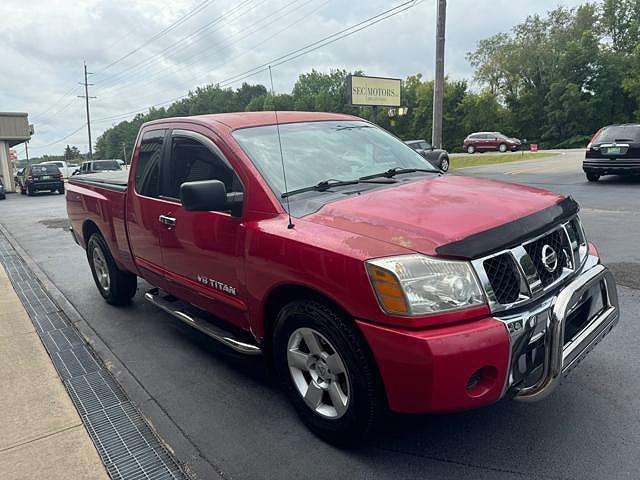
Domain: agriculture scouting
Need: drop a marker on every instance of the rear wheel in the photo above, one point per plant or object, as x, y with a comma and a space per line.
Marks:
444, 164
593, 177
471, 149
30, 191
115, 286
327, 371
503, 148
61, 190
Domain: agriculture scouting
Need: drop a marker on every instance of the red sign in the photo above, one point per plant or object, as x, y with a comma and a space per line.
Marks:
534, 147
13, 155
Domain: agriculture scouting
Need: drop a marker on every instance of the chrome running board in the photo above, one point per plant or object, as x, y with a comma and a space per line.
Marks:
179, 310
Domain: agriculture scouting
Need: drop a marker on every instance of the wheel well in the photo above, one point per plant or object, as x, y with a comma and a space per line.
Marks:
88, 229
284, 294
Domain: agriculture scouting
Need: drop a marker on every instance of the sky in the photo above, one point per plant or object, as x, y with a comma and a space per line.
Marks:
146, 52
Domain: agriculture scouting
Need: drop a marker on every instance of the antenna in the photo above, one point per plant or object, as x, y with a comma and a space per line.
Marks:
284, 173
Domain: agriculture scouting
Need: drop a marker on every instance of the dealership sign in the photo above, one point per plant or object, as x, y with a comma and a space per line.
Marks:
373, 91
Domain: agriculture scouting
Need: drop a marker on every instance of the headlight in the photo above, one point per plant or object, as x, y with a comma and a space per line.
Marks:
421, 285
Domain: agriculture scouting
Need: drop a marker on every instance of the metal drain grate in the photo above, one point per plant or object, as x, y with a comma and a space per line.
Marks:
127, 446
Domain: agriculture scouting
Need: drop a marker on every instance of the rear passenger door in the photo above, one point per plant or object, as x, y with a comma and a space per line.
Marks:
144, 208
203, 251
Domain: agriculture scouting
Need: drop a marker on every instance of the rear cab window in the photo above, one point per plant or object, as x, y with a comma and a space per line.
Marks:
147, 175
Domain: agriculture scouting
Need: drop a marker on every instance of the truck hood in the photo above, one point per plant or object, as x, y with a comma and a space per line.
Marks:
424, 215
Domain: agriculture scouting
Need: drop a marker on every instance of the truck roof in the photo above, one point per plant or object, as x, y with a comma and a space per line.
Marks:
255, 119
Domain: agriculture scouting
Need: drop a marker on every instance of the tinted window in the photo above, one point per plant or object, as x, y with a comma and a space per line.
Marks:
148, 164
44, 169
424, 145
192, 161
106, 165
620, 133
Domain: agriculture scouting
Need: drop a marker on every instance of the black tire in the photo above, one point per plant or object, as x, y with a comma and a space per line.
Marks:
22, 190
121, 285
593, 177
366, 395
502, 148
471, 149
444, 164
30, 191
61, 190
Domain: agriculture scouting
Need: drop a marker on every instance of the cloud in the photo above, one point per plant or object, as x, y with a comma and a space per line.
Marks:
45, 43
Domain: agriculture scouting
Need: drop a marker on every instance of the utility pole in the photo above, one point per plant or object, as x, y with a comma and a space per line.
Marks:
87, 97
124, 153
438, 89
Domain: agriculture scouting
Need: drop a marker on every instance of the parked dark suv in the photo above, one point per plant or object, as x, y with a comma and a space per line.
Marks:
613, 150
36, 178
437, 157
483, 141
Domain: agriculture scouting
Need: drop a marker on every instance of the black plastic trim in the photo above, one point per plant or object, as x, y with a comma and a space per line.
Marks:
510, 234
99, 183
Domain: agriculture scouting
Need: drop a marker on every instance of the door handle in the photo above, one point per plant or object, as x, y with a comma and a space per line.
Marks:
168, 221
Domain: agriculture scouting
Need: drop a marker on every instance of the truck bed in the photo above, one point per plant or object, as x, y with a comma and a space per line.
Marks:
110, 180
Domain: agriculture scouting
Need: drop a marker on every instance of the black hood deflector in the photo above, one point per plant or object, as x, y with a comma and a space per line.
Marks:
510, 234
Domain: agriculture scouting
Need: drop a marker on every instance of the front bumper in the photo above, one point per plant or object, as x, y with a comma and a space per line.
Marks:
559, 353
607, 166
472, 364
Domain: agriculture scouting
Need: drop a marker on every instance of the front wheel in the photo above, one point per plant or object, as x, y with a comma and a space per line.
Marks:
471, 149
115, 286
327, 371
444, 164
503, 148
593, 177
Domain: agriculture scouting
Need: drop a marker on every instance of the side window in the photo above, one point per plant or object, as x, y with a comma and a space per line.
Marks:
148, 165
195, 160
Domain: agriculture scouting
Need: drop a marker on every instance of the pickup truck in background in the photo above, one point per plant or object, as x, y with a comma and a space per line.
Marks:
369, 279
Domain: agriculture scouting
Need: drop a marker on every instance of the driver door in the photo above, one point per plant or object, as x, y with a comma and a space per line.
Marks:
203, 252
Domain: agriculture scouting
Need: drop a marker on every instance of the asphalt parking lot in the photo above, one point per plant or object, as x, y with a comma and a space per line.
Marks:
222, 415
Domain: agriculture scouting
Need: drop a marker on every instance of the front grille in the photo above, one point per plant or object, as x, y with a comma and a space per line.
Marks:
518, 274
558, 241
504, 278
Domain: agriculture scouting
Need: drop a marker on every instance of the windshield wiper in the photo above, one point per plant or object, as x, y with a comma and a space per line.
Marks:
392, 172
325, 185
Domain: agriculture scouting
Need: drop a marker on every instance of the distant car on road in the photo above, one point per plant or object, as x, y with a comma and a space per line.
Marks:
437, 157
40, 177
95, 166
613, 150
65, 169
483, 141
2, 193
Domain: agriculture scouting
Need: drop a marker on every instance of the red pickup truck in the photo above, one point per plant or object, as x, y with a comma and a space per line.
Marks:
369, 279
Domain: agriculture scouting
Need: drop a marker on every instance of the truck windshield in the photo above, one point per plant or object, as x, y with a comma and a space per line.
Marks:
316, 151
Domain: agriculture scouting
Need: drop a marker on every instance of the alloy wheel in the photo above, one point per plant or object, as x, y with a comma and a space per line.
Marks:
101, 268
318, 373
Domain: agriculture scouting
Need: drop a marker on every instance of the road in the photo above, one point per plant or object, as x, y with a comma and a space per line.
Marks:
221, 414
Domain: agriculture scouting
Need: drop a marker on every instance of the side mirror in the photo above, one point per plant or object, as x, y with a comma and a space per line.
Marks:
210, 196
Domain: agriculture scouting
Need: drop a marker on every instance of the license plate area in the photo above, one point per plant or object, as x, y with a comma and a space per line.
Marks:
587, 308
45, 177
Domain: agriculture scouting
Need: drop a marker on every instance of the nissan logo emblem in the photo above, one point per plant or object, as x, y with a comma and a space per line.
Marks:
549, 258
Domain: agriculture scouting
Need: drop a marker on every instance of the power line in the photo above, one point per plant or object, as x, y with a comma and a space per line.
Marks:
176, 45
161, 33
190, 60
37, 147
329, 39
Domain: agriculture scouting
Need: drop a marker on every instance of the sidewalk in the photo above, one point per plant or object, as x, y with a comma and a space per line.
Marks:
41, 434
